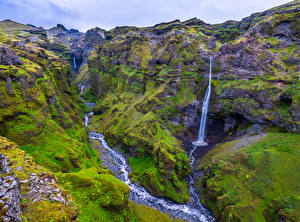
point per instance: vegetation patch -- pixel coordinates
(253, 182)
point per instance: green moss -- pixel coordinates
(89, 96)
(273, 41)
(83, 74)
(98, 195)
(145, 173)
(140, 213)
(250, 181)
(130, 122)
(43, 113)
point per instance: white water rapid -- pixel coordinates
(193, 211)
(81, 89)
(200, 141)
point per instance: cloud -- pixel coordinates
(108, 14)
(36, 12)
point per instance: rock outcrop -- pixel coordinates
(8, 56)
(9, 193)
(29, 190)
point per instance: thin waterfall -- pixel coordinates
(74, 63)
(200, 141)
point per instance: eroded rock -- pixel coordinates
(8, 56)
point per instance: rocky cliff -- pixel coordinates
(42, 112)
(151, 81)
(40, 107)
(149, 84)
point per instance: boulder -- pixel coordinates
(8, 56)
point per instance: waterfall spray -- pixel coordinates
(200, 141)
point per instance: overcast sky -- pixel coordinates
(107, 14)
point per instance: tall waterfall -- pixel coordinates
(200, 141)
(74, 63)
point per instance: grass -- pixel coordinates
(258, 182)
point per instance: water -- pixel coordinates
(92, 105)
(200, 141)
(193, 211)
(87, 119)
(74, 63)
(81, 89)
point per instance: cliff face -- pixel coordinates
(149, 84)
(40, 108)
(152, 80)
(41, 111)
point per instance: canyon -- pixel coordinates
(144, 90)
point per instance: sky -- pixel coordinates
(107, 14)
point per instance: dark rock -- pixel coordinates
(193, 22)
(283, 32)
(8, 56)
(61, 27)
(95, 35)
(59, 158)
(20, 44)
(9, 87)
(211, 43)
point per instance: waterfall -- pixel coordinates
(200, 141)
(115, 161)
(74, 63)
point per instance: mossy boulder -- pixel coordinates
(109, 191)
(99, 195)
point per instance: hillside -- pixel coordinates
(148, 86)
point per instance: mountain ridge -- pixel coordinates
(148, 84)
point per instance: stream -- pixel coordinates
(115, 160)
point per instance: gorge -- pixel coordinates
(180, 121)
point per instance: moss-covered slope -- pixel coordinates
(254, 178)
(149, 82)
(42, 198)
(40, 108)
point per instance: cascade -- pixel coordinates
(192, 211)
(81, 89)
(200, 141)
